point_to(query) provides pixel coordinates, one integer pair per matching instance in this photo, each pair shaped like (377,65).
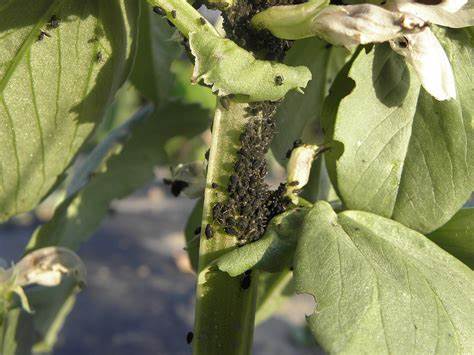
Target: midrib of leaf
(58,80)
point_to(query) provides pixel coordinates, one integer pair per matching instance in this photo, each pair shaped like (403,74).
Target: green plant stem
(225,313)
(184,16)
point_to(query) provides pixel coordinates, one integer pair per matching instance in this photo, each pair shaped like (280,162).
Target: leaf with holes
(55,82)
(396,151)
(382,288)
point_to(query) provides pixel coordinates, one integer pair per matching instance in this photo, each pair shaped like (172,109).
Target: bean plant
(329,147)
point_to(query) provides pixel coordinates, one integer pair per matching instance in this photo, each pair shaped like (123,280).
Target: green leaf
(298,111)
(54,91)
(136,146)
(457,236)
(273,290)
(273,252)
(230,69)
(156,52)
(396,151)
(382,288)
(193,239)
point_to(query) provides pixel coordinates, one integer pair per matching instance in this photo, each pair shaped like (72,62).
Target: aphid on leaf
(278,80)
(246,280)
(173,13)
(209,233)
(99,57)
(214,185)
(54,22)
(42,35)
(158,10)
(202,21)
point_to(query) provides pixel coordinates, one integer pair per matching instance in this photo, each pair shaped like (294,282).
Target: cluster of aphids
(251,204)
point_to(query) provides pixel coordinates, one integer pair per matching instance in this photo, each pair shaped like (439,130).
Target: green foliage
(231,70)
(457,236)
(54,91)
(382,287)
(396,151)
(298,114)
(156,52)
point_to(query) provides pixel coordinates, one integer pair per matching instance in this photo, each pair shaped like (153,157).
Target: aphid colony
(261,42)
(251,204)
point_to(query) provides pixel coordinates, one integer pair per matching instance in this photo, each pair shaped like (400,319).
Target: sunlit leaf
(382,288)
(55,84)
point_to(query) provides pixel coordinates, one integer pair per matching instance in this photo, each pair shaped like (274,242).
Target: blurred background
(140,293)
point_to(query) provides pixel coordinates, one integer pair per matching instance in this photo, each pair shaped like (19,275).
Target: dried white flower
(404,23)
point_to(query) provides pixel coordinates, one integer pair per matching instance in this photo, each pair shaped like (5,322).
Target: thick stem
(225,311)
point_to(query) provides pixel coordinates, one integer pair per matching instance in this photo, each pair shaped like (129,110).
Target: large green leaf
(231,70)
(297,111)
(457,236)
(382,288)
(396,151)
(53,91)
(156,51)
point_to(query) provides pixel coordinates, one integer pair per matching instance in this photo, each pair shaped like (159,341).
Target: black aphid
(209,233)
(278,80)
(189,337)
(293,183)
(100,57)
(197,230)
(230,230)
(225,102)
(214,185)
(173,13)
(246,280)
(42,35)
(202,21)
(158,10)
(177,186)
(54,22)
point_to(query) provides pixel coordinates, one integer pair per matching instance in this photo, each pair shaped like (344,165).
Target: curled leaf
(231,70)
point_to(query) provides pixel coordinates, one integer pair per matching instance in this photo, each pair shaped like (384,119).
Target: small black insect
(202,21)
(158,10)
(225,102)
(54,22)
(209,233)
(278,80)
(214,185)
(293,183)
(197,230)
(42,35)
(173,13)
(246,280)
(230,230)
(99,57)
(189,337)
